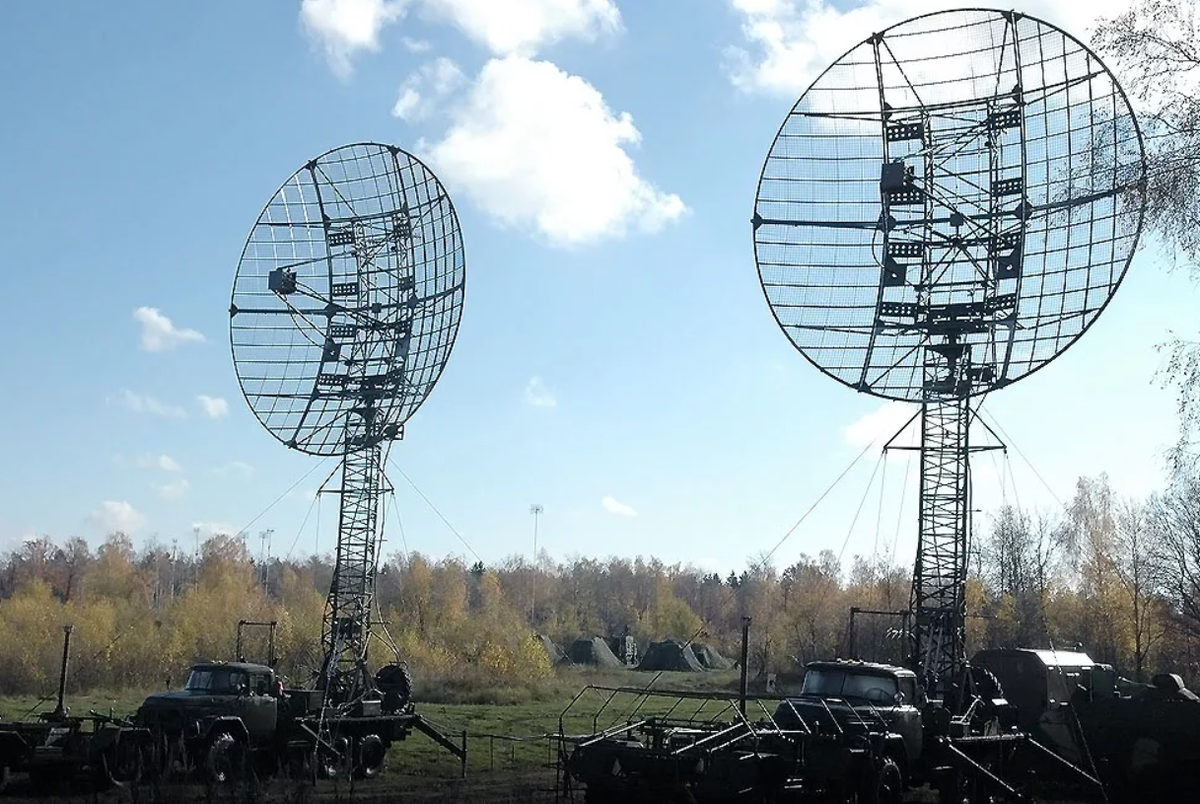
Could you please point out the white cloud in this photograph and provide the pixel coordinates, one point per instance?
(163, 462)
(615, 506)
(214, 407)
(305, 494)
(538, 395)
(789, 42)
(524, 26)
(175, 490)
(147, 404)
(240, 468)
(344, 27)
(416, 45)
(424, 89)
(159, 334)
(537, 147)
(880, 424)
(111, 516)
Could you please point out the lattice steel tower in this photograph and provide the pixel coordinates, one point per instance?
(947, 208)
(345, 308)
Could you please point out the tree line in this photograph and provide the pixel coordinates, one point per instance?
(1117, 576)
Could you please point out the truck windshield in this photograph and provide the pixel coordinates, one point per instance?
(832, 683)
(219, 679)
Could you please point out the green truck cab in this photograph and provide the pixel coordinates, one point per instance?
(872, 712)
(224, 711)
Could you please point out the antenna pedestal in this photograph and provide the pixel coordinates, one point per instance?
(347, 625)
(938, 599)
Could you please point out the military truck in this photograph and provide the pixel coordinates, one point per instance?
(1143, 738)
(231, 716)
(856, 732)
(875, 712)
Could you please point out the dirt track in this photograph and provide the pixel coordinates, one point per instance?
(528, 788)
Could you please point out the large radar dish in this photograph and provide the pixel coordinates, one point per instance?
(347, 299)
(950, 205)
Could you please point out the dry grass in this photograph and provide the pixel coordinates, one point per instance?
(510, 758)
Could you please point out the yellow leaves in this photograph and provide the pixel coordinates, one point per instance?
(672, 617)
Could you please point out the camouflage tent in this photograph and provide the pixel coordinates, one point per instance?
(592, 651)
(671, 654)
(710, 658)
(553, 651)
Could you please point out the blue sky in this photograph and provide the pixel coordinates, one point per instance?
(616, 361)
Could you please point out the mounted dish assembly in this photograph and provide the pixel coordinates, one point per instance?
(345, 308)
(945, 210)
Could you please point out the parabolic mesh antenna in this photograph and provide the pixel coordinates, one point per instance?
(947, 208)
(345, 307)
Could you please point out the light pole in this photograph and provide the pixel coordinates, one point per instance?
(535, 509)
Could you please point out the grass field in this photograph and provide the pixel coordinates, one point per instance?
(510, 755)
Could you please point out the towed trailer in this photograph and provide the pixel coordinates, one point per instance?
(58, 746)
(869, 740)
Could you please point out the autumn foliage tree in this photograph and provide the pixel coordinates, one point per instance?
(1121, 577)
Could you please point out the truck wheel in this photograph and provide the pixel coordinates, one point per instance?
(953, 789)
(3, 777)
(887, 787)
(333, 765)
(371, 754)
(122, 763)
(225, 760)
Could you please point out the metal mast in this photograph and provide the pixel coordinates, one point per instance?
(374, 348)
(948, 207)
(345, 309)
(938, 602)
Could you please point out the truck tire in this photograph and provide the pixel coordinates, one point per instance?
(370, 757)
(331, 765)
(122, 763)
(3, 777)
(225, 760)
(886, 785)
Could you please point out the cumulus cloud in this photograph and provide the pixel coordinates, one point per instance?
(787, 43)
(880, 424)
(538, 395)
(615, 506)
(116, 515)
(164, 463)
(214, 407)
(304, 495)
(175, 490)
(525, 26)
(537, 147)
(139, 403)
(416, 45)
(159, 334)
(424, 89)
(345, 27)
(236, 468)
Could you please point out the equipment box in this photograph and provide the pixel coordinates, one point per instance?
(304, 702)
